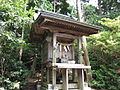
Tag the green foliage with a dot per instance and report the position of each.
(111, 7)
(40, 4)
(14, 18)
(46, 5)
(64, 7)
(61, 6)
(111, 23)
(104, 48)
(91, 14)
(104, 51)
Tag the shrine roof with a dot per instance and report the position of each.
(55, 22)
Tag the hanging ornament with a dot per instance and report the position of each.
(65, 48)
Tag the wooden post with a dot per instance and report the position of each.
(65, 79)
(54, 76)
(80, 57)
(73, 53)
(48, 75)
(79, 8)
(81, 79)
(86, 58)
(81, 19)
(54, 61)
(54, 48)
(41, 63)
(80, 71)
(75, 75)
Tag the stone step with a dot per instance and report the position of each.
(86, 88)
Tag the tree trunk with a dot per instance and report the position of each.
(85, 56)
(99, 6)
(21, 48)
(33, 66)
(79, 11)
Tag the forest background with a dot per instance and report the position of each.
(18, 54)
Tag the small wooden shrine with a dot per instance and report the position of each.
(62, 68)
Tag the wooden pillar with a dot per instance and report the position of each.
(73, 53)
(73, 57)
(75, 75)
(80, 72)
(54, 76)
(54, 48)
(65, 79)
(84, 46)
(80, 79)
(54, 61)
(80, 57)
(86, 58)
(48, 75)
(42, 72)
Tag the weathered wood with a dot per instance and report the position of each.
(50, 52)
(85, 55)
(41, 52)
(73, 53)
(79, 10)
(81, 79)
(54, 61)
(54, 76)
(42, 22)
(81, 19)
(54, 48)
(48, 75)
(72, 66)
(33, 66)
(86, 58)
(57, 34)
(65, 79)
(80, 57)
(60, 30)
(66, 20)
(66, 35)
(75, 75)
(45, 51)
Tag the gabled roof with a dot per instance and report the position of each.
(60, 23)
